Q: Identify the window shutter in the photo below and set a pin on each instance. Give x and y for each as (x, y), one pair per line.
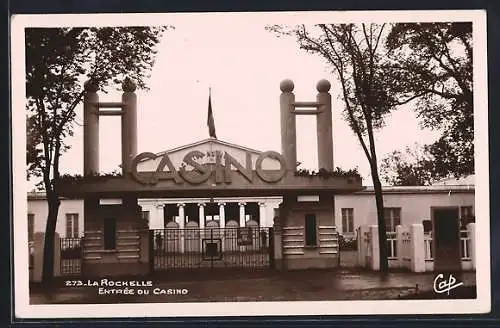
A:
(76, 231)
(68, 226)
(351, 220)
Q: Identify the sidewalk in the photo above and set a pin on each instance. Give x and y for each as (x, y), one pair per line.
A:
(235, 286)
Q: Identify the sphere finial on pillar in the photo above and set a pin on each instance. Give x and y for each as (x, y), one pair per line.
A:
(287, 85)
(323, 86)
(90, 86)
(128, 85)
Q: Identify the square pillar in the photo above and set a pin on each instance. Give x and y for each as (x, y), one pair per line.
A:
(375, 260)
(399, 246)
(471, 233)
(242, 214)
(363, 246)
(417, 247)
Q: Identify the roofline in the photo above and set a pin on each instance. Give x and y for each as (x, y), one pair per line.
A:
(368, 190)
(193, 144)
(420, 189)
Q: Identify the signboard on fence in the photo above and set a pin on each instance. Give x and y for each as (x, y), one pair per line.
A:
(244, 236)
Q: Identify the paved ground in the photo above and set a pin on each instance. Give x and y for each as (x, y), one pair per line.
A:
(265, 285)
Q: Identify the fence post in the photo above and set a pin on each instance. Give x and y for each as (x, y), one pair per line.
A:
(417, 247)
(375, 265)
(57, 255)
(471, 233)
(399, 246)
(278, 246)
(362, 230)
(38, 246)
(151, 250)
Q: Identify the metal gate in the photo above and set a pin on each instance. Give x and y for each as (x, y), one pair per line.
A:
(71, 256)
(247, 247)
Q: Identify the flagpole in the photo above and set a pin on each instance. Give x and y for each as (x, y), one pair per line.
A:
(209, 97)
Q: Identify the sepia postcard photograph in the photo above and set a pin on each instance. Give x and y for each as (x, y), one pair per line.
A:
(261, 163)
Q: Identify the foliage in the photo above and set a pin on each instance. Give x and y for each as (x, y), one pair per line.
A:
(347, 244)
(78, 178)
(58, 62)
(325, 174)
(409, 168)
(432, 63)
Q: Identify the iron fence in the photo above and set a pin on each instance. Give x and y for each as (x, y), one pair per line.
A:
(247, 247)
(71, 256)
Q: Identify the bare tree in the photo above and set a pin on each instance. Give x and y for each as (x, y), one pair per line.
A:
(355, 53)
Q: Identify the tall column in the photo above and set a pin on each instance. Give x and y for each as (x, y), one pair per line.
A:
(90, 129)
(288, 126)
(129, 124)
(201, 214)
(222, 215)
(324, 126)
(158, 217)
(242, 214)
(182, 219)
(182, 224)
(262, 214)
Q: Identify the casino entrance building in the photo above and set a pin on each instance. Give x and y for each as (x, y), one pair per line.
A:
(209, 204)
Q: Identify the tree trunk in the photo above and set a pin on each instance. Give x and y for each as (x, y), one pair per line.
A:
(50, 230)
(382, 235)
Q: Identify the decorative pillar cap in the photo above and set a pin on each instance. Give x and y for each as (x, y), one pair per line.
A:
(287, 85)
(323, 86)
(128, 85)
(91, 86)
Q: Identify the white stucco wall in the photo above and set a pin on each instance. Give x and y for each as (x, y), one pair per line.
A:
(415, 207)
(40, 210)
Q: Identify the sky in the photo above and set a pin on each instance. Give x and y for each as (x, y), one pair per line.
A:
(244, 65)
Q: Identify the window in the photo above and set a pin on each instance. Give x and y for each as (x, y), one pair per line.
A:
(31, 226)
(145, 216)
(392, 218)
(72, 225)
(110, 233)
(347, 220)
(311, 230)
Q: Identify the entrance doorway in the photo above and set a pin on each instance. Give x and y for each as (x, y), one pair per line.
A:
(446, 237)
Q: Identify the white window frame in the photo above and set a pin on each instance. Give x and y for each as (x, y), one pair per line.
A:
(74, 226)
(391, 211)
(348, 218)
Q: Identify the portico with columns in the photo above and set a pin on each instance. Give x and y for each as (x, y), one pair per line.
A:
(258, 209)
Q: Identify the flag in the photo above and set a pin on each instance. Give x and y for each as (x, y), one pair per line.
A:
(210, 119)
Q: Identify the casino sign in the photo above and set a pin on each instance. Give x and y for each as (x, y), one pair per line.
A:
(201, 172)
